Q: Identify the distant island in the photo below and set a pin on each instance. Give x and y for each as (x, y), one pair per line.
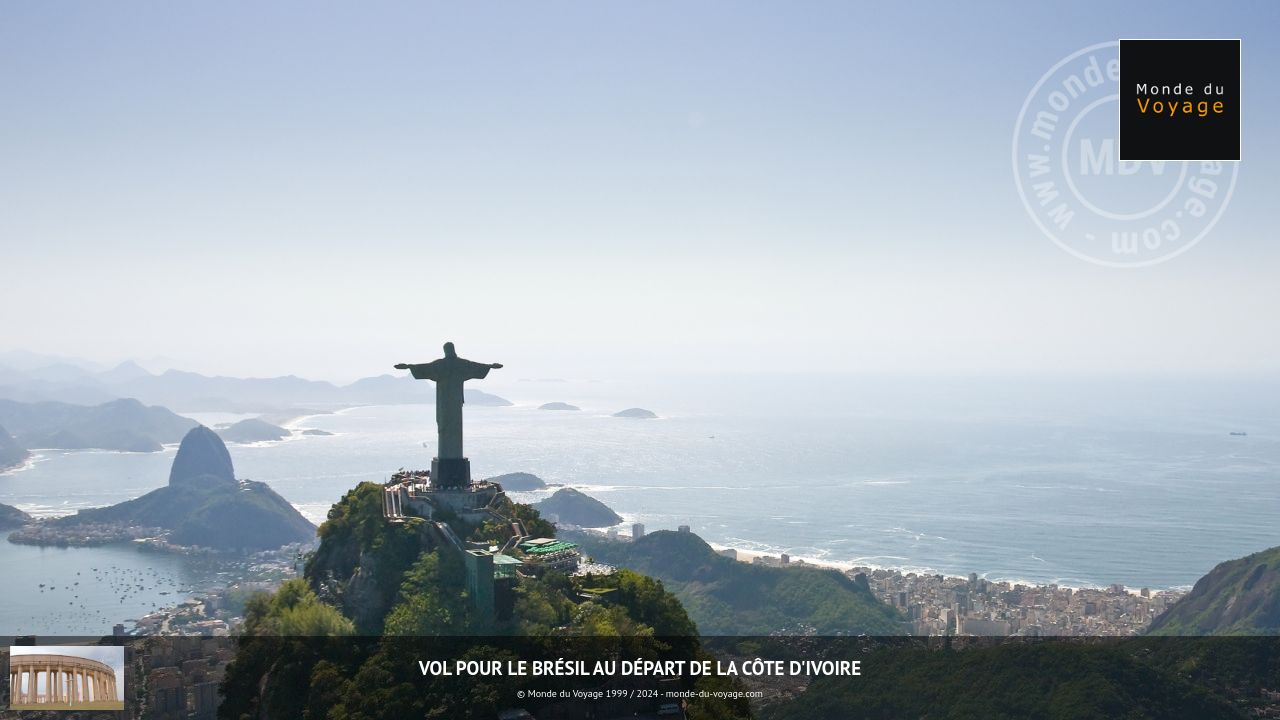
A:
(11, 453)
(558, 406)
(639, 413)
(253, 430)
(577, 508)
(203, 506)
(519, 481)
(11, 517)
(125, 425)
(317, 432)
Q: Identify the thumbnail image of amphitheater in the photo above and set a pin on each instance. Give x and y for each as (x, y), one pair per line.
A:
(64, 678)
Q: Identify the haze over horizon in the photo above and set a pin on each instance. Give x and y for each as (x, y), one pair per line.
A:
(268, 190)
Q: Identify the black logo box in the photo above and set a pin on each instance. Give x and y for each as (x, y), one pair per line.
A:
(1210, 132)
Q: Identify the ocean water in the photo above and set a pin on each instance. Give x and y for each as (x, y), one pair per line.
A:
(86, 591)
(1084, 482)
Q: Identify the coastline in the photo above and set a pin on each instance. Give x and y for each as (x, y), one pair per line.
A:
(313, 512)
(747, 555)
(27, 463)
(750, 556)
(292, 421)
(773, 556)
(746, 549)
(937, 604)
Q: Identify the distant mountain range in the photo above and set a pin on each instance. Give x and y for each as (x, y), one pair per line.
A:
(126, 425)
(61, 381)
(48, 402)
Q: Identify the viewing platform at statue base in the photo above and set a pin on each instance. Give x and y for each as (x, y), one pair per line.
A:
(412, 493)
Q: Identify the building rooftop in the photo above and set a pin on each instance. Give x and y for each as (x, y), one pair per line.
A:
(535, 548)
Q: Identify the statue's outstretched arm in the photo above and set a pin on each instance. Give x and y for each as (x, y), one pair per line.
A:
(402, 366)
(495, 366)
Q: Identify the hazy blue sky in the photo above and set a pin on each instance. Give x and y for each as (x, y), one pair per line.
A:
(329, 188)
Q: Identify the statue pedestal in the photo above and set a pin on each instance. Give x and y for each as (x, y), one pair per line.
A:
(450, 472)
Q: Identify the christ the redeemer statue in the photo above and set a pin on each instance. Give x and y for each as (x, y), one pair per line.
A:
(450, 468)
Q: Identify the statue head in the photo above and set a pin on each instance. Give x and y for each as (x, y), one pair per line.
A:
(449, 351)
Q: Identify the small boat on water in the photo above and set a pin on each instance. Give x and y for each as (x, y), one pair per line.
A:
(1239, 434)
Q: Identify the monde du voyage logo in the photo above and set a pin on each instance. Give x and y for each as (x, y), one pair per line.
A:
(1124, 152)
